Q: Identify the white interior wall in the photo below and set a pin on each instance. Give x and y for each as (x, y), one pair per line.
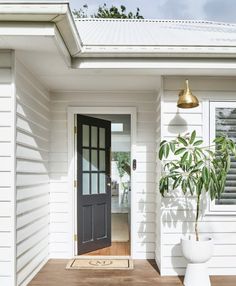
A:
(32, 182)
(7, 169)
(177, 214)
(60, 240)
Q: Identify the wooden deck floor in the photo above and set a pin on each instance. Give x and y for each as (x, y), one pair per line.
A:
(144, 274)
(116, 249)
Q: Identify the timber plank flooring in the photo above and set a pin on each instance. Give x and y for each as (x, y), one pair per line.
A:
(144, 273)
(116, 249)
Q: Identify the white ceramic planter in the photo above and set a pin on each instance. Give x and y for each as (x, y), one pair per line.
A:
(197, 253)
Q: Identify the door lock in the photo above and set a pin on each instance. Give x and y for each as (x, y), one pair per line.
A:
(134, 164)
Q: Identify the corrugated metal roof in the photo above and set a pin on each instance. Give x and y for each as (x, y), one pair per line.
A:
(118, 32)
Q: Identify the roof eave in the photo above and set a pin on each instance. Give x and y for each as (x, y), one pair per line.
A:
(42, 11)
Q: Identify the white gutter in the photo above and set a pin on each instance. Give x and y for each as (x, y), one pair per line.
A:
(158, 51)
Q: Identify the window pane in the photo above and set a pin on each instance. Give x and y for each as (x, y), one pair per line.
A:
(102, 137)
(86, 184)
(94, 136)
(102, 184)
(94, 188)
(226, 124)
(102, 162)
(85, 135)
(94, 160)
(85, 160)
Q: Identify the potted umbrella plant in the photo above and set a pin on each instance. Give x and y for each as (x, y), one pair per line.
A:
(196, 170)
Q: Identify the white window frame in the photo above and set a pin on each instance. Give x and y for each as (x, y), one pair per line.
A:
(213, 208)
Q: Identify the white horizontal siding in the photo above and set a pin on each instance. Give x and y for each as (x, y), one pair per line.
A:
(178, 214)
(145, 174)
(32, 173)
(7, 172)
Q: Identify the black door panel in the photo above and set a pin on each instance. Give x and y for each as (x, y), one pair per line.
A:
(94, 189)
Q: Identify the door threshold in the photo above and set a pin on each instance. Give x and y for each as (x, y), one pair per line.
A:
(103, 257)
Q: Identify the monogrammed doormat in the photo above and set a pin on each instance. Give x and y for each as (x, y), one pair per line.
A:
(84, 263)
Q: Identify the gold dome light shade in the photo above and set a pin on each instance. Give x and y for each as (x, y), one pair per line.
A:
(186, 98)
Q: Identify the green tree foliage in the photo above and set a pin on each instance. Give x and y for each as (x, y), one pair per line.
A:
(106, 12)
(196, 169)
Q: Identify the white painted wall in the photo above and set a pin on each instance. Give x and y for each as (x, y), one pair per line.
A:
(158, 173)
(177, 217)
(7, 169)
(32, 181)
(60, 239)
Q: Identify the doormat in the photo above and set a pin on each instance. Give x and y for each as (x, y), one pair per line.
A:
(82, 263)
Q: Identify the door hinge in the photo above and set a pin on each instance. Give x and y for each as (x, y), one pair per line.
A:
(75, 237)
(75, 184)
(75, 129)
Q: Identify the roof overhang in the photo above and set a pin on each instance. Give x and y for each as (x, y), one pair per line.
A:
(31, 13)
(54, 19)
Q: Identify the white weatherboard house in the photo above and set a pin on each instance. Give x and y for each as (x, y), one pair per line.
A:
(128, 72)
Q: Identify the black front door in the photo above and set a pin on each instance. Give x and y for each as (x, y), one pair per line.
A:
(94, 183)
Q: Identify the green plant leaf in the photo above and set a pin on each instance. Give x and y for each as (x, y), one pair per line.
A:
(205, 175)
(192, 138)
(162, 142)
(179, 151)
(166, 150)
(161, 152)
(198, 142)
(177, 182)
(184, 157)
(183, 141)
(172, 147)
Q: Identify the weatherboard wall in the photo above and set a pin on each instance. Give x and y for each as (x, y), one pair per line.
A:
(32, 174)
(7, 169)
(177, 216)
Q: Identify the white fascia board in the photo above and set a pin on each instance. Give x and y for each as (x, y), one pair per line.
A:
(158, 51)
(26, 29)
(154, 63)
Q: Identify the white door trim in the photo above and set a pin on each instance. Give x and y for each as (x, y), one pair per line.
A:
(71, 112)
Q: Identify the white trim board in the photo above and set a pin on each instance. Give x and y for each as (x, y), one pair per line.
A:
(71, 112)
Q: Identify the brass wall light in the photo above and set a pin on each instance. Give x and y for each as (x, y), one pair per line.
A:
(186, 98)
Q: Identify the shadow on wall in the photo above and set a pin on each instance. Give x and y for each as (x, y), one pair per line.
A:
(32, 146)
(177, 122)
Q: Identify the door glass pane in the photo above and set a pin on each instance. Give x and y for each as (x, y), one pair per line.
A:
(94, 136)
(86, 184)
(102, 162)
(94, 184)
(102, 137)
(85, 135)
(94, 160)
(85, 160)
(102, 184)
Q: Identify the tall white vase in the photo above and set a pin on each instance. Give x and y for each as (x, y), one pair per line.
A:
(197, 253)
